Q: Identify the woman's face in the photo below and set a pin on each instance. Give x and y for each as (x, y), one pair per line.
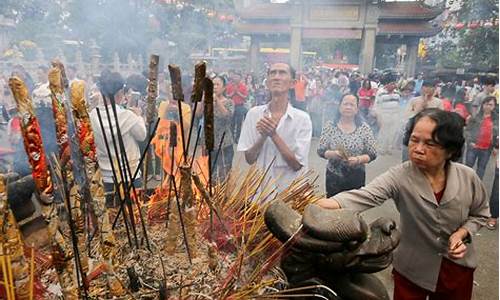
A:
(488, 107)
(348, 106)
(218, 86)
(424, 152)
(366, 84)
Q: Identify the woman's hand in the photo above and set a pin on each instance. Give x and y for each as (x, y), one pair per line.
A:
(456, 245)
(328, 203)
(333, 154)
(353, 161)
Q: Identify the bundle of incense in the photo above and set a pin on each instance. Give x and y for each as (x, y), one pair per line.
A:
(64, 257)
(57, 97)
(176, 80)
(200, 70)
(82, 122)
(32, 136)
(151, 111)
(12, 245)
(78, 163)
(178, 95)
(152, 90)
(189, 213)
(209, 114)
(63, 261)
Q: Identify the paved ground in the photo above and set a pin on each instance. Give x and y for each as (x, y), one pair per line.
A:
(486, 241)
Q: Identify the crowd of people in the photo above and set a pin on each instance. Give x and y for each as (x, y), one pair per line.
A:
(440, 127)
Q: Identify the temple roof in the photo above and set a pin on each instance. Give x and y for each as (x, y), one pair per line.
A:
(394, 18)
(408, 10)
(266, 11)
(262, 28)
(418, 28)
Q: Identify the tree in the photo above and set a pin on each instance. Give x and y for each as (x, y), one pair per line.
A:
(120, 26)
(470, 48)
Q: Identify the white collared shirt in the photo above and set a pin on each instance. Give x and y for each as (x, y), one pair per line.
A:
(294, 128)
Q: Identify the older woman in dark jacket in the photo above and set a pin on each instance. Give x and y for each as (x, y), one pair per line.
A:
(481, 135)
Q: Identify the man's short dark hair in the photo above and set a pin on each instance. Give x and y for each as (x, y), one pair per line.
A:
(429, 83)
(448, 132)
(388, 77)
(490, 81)
(293, 73)
(138, 83)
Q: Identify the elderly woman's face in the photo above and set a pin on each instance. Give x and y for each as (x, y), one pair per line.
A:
(424, 152)
(349, 106)
(218, 86)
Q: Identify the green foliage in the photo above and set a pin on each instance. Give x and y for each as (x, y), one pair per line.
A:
(469, 48)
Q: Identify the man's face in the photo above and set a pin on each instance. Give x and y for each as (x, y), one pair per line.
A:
(427, 91)
(279, 78)
(490, 88)
(236, 78)
(390, 87)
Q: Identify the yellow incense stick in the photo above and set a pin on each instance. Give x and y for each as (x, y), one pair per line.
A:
(32, 271)
(11, 277)
(5, 276)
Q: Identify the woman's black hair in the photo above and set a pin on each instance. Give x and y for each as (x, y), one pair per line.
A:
(358, 119)
(448, 132)
(110, 83)
(459, 97)
(138, 83)
(366, 81)
(485, 100)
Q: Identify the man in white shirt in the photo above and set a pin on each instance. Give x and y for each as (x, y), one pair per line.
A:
(277, 130)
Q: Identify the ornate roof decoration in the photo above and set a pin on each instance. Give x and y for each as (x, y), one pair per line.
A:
(408, 10)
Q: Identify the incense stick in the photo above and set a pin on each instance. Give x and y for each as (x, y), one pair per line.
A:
(143, 155)
(115, 179)
(3, 261)
(121, 165)
(32, 271)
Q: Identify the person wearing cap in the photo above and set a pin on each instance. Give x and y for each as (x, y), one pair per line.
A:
(418, 104)
(425, 100)
(388, 112)
(418, 84)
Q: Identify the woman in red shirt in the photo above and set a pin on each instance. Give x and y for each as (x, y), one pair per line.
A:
(481, 134)
(366, 97)
(459, 105)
